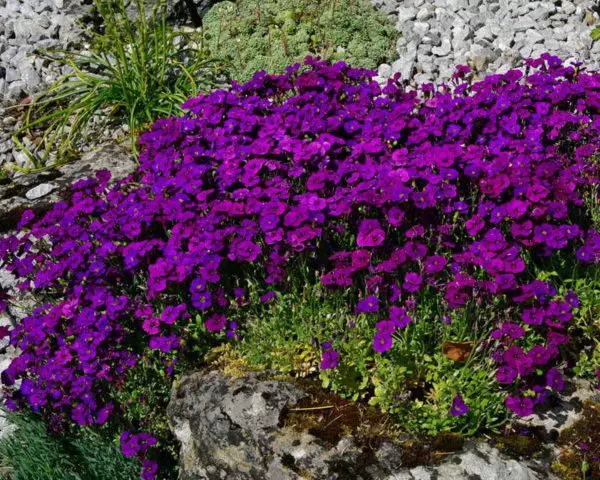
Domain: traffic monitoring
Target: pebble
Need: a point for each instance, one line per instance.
(40, 191)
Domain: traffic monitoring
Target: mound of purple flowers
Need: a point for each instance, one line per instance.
(385, 192)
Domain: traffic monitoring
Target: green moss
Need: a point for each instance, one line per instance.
(252, 35)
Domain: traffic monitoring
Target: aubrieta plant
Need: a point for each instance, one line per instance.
(386, 194)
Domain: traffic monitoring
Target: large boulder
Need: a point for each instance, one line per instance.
(238, 429)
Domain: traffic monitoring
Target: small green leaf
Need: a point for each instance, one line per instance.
(595, 33)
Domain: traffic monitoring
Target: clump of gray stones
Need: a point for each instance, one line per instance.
(492, 36)
(27, 26)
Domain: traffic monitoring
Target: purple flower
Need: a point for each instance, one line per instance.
(434, 264)
(201, 300)
(149, 469)
(267, 297)
(412, 282)
(506, 375)
(329, 359)
(370, 234)
(369, 304)
(460, 189)
(216, 322)
(399, 317)
(554, 380)
(458, 407)
(165, 344)
(522, 406)
(382, 342)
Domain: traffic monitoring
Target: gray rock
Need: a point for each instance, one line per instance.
(406, 14)
(420, 28)
(480, 461)
(385, 70)
(542, 12)
(425, 13)
(235, 428)
(444, 49)
(480, 57)
(567, 7)
(533, 36)
(405, 67)
(432, 38)
(523, 24)
(30, 78)
(12, 75)
(14, 91)
(386, 6)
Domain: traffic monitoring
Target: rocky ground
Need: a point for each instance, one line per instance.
(490, 35)
(29, 25)
(255, 426)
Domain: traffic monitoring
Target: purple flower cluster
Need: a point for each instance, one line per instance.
(137, 445)
(388, 191)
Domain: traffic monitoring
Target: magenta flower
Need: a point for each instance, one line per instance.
(554, 380)
(149, 469)
(382, 342)
(506, 375)
(459, 189)
(216, 322)
(412, 282)
(370, 234)
(521, 406)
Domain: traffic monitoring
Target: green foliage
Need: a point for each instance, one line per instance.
(413, 381)
(135, 72)
(145, 394)
(476, 383)
(31, 452)
(252, 35)
(595, 33)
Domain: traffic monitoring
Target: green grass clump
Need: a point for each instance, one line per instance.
(32, 453)
(135, 72)
(253, 35)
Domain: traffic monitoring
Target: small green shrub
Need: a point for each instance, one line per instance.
(32, 453)
(135, 72)
(251, 35)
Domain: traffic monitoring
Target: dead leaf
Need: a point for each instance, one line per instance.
(457, 351)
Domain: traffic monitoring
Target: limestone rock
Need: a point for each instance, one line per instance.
(234, 428)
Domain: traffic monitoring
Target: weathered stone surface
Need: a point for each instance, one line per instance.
(563, 409)
(235, 429)
(39, 191)
(478, 461)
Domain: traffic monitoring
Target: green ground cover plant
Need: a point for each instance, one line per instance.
(253, 35)
(31, 452)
